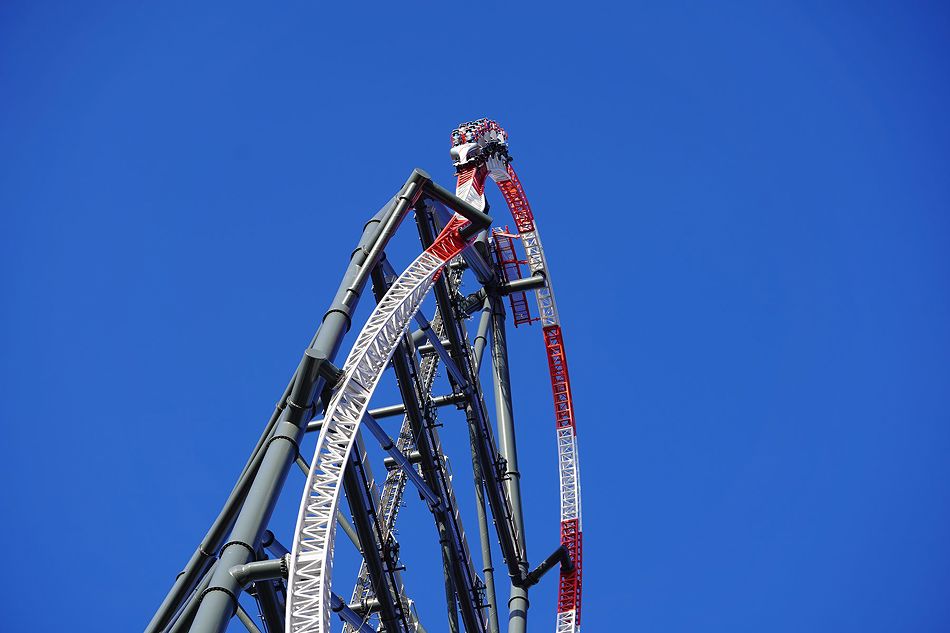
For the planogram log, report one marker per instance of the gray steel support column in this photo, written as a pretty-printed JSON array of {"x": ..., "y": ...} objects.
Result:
[
  {"x": 481, "y": 335},
  {"x": 485, "y": 542},
  {"x": 518, "y": 602},
  {"x": 478, "y": 345},
  {"x": 450, "y": 594},
  {"x": 220, "y": 600},
  {"x": 207, "y": 550},
  {"x": 187, "y": 615}
]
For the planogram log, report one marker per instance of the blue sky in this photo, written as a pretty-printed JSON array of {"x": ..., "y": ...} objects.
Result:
[{"x": 745, "y": 207}]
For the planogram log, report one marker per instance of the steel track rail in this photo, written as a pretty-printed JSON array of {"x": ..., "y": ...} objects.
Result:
[{"x": 480, "y": 149}]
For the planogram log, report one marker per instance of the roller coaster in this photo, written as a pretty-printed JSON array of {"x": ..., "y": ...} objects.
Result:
[{"x": 293, "y": 587}]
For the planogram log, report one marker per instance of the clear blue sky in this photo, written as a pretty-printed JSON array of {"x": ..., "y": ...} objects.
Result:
[{"x": 746, "y": 209}]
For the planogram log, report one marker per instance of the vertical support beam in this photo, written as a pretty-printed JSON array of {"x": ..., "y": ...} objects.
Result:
[
  {"x": 485, "y": 542},
  {"x": 518, "y": 602}
]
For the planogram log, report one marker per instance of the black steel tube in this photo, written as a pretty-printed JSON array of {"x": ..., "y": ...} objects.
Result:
[
  {"x": 459, "y": 572},
  {"x": 371, "y": 544},
  {"x": 518, "y": 600},
  {"x": 481, "y": 335},
  {"x": 270, "y": 542},
  {"x": 414, "y": 457},
  {"x": 393, "y": 410},
  {"x": 521, "y": 285},
  {"x": 560, "y": 555},
  {"x": 429, "y": 348},
  {"x": 488, "y": 568},
  {"x": 401, "y": 459},
  {"x": 477, "y": 416},
  {"x": 338, "y": 606},
  {"x": 271, "y": 609}
]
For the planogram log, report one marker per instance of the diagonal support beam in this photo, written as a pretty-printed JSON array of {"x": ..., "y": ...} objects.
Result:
[
  {"x": 443, "y": 353},
  {"x": 377, "y": 550},
  {"x": 509, "y": 537},
  {"x": 460, "y": 571},
  {"x": 389, "y": 446},
  {"x": 348, "y": 615}
]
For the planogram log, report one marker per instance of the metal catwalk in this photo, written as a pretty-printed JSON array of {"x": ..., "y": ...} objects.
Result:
[{"x": 294, "y": 587}]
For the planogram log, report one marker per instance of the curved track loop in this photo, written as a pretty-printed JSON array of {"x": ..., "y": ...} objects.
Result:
[
  {"x": 311, "y": 566},
  {"x": 480, "y": 149}
]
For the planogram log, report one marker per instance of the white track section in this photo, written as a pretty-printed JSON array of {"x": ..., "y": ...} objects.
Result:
[
  {"x": 394, "y": 486},
  {"x": 534, "y": 251},
  {"x": 537, "y": 263},
  {"x": 311, "y": 562},
  {"x": 565, "y": 623},
  {"x": 567, "y": 466}
]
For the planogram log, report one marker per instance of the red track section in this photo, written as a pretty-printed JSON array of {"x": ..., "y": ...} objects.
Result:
[
  {"x": 560, "y": 378},
  {"x": 510, "y": 267},
  {"x": 569, "y": 585},
  {"x": 513, "y": 192}
]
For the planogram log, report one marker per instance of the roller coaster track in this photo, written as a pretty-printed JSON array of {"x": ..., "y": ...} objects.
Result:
[
  {"x": 485, "y": 140},
  {"x": 480, "y": 149},
  {"x": 205, "y": 594}
]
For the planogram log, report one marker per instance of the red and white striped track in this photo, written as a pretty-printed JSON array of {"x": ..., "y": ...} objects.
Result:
[{"x": 470, "y": 144}]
